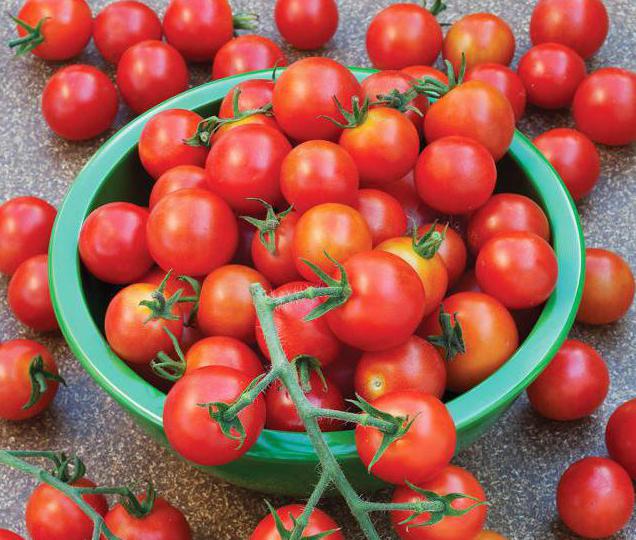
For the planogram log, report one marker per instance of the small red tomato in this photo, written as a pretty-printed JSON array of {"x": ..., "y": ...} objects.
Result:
[
  {"x": 425, "y": 72},
  {"x": 8, "y": 535},
  {"x": 29, "y": 297},
  {"x": 620, "y": 436},
  {"x": 223, "y": 351},
  {"x": 188, "y": 426},
  {"x": 504, "y": 213},
  {"x": 595, "y": 497},
  {"x": 506, "y": 81},
  {"x": 253, "y": 94},
  {"x": 25, "y": 230},
  {"x": 341, "y": 371},
  {"x": 604, "y": 106},
  {"x": 79, "y": 102},
  {"x": 156, "y": 276},
  {"x": 518, "y": 268},
  {"x": 608, "y": 290},
  {"x": 551, "y": 73},
  {"x": 318, "y": 523},
  {"x": 179, "y": 177},
  {"x": 121, "y": 25},
  {"x": 452, "y": 250},
  {"x": 482, "y": 38},
  {"x": 383, "y": 213},
  {"x": 247, "y": 53},
  {"x": 161, "y": 145},
  {"x": 455, "y": 175},
  {"x": 413, "y": 365},
  {"x": 150, "y": 72},
  {"x": 432, "y": 428},
  {"x": 573, "y": 385},
  {"x": 579, "y": 24},
  {"x": 404, "y": 191},
  {"x": 306, "y": 24},
  {"x": 452, "y": 479}
]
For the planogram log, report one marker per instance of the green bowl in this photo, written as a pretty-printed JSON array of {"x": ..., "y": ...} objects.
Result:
[{"x": 282, "y": 462}]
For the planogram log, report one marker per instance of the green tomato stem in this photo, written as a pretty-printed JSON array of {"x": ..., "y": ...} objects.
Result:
[{"x": 355, "y": 418}]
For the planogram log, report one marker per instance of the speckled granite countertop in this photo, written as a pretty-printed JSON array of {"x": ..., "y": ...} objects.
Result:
[{"x": 519, "y": 461}]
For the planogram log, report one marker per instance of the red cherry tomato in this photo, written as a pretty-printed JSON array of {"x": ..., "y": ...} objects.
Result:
[
  {"x": 403, "y": 35},
  {"x": 51, "y": 515},
  {"x": 573, "y": 385},
  {"x": 225, "y": 306},
  {"x": 8, "y": 535},
  {"x": 318, "y": 523},
  {"x": 452, "y": 479},
  {"x": 298, "y": 336},
  {"x": 121, "y": 25},
  {"x": 620, "y": 436},
  {"x": 424, "y": 72},
  {"x": 404, "y": 191},
  {"x": 482, "y": 38},
  {"x": 608, "y": 290},
  {"x": 506, "y": 81},
  {"x": 188, "y": 426},
  {"x": 306, "y": 24},
  {"x": 247, "y": 53},
  {"x": 192, "y": 232},
  {"x": 385, "y": 306},
  {"x": 341, "y": 371},
  {"x": 316, "y": 172},
  {"x": 253, "y": 94},
  {"x": 150, "y": 72},
  {"x": 579, "y": 24},
  {"x": 383, "y": 213},
  {"x": 66, "y": 28},
  {"x": 79, "y": 102},
  {"x": 489, "y": 332},
  {"x": 25, "y": 230},
  {"x": 505, "y": 213},
  {"x": 604, "y": 106},
  {"x": 305, "y": 92},
  {"x": 432, "y": 428},
  {"x": 156, "y": 276},
  {"x": 282, "y": 414},
  {"x": 179, "y": 177},
  {"x": 595, "y": 497},
  {"x": 452, "y": 250},
  {"x": 413, "y": 365},
  {"x": 223, "y": 351},
  {"x": 161, "y": 145}
]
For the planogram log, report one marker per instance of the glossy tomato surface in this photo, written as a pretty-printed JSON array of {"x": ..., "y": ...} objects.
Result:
[
  {"x": 383, "y": 213},
  {"x": 620, "y": 436},
  {"x": 247, "y": 53},
  {"x": 223, "y": 351},
  {"x": 505, "y": 80},
  {"x": 179, "y": 177},
  {"x": 306, "y": 24}
]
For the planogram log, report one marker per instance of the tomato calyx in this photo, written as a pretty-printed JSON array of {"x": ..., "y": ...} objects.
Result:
[
  {"x": 306, "y": 365},
  {"x": 400, "y": 101},
  {"x": 244, "y": 21},
  {"x": 353, "y": 119},
  {"x": 39, "y": 377},
  {"x": 437, "y": 7},
  {"x": 434, "y": 89},
  {"x": 161, "y": 307},
  {"x": 267, "y": 227},
  {"x": 297, "y": 527},
  {"x": 428, "y": 244},
  {"x": 31, "y": 40},
  {"x": 165, "y": 366},
  {"x": 451, "y": 339}
]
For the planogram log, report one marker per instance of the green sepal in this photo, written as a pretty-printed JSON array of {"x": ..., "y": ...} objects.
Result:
[
  {"x": 306, "y": 365},
  {"x": 286, "y": 534},
  {"x": 196, "y": 287},
  {"x": 165, "y": 366},
  {"x": 161, "y": 307},
  {"x": 451, "y": 340},
  {"x": 436, "y": 89},
  {"x": 31, "y": 40},
  {"x": 353, "y": 119},
  {"x": 428, "y": 244},
  {"x": 267, "y": 227},
  {"x": 400, "y": 101},
  {"x": 244, "y": 21},
  {"x": 335, "y": 301},
  {"x": 68, "y": 469},
  {"x": 39, "y": 378},
  {"x": 437, "y": 7},
  {"x": 137, "y": 508}
]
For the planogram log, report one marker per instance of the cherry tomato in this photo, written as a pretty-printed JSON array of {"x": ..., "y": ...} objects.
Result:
[
  {"x": 452, "y": 250},
  {"x": 164, "y": 522},
  {"x": 161, "y": 145},
  {"x": 432, "y": 428},
  {"x": 156, "y": 276},
  {"x": 452, "y": 479},
  {"x": 551, "y": 73},
  {"x": 475, "y": 110},
  {"x": 341, "y": 371},
  {"x": 282, "y": 414},
  {"x": 298, "y": 336},
  {"x": 316, "y": 172},
  {"x": 573, "y": 385},
  {"x": 246, "y": 162},
  {"x": 179, "y": 177},
  {"x": 604, "y": 106},
  {"x": 131, "y": 333},
  {"x": 455, "y": 175},
  {"x": 506, "y": 81},
  {"x": 482, "y": 38},
  {"x": 225, "y": 306},
  {"x": 386, "y": 302},
  {"x": 29, "y": 297},
  {"x": 305, "y": 92},
  {"x": 404, "y": 191},
  {"x": 192, "y": 232},
  {"x": 489, "y": 332},
  {"x": 423, "y": 72},
  {"x": 413, "y": 365},
  {"x": 490, "y": 535},
  {"x": 223, "y": 351},
  {"x": 579, "y": 24},
  {"x": 595, "y": 497},
  {"x": 403, "y": 35},
  {"x": 188, "y": 426},
  {"x": 505, "y": 213},
  {"x": 574, "y": 157},
  {"x": 8, "y": 535},
  {"x": 383, "y": 213},
  {"x": 51, "y": 515},
  {"x": 150, "y": 72},
  {"x": 608, "y": 290},
  {"x": 247, "y": 53},
  {"x": 121, "y": 25},
  {"x": 253, "y": 94},
  {"x": 620, "y": 436},
  {"x": 79, "y": 102},
  {"x": 25, "y": 230},
  {"x": 318, "y": 523},
  {"x": 66, "y": 28},
  {"x": 306, "y": 24}
]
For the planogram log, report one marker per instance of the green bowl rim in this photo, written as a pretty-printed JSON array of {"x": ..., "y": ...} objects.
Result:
[{"x": 140, "y": 398}]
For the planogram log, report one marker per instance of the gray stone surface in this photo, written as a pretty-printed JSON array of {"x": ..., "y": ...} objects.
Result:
[{"x": 519, "y": 461}]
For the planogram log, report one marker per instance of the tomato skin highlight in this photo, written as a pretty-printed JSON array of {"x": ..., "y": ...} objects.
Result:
[
  {"x": 506, "y": 81},
  {"x": 247, "y": 53},
  {"x": 620, "y": 436},
  {"x": 383, "y": 214},
  {"x": 319, "y": 522},
  {"x": 306, "y": 24}
]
